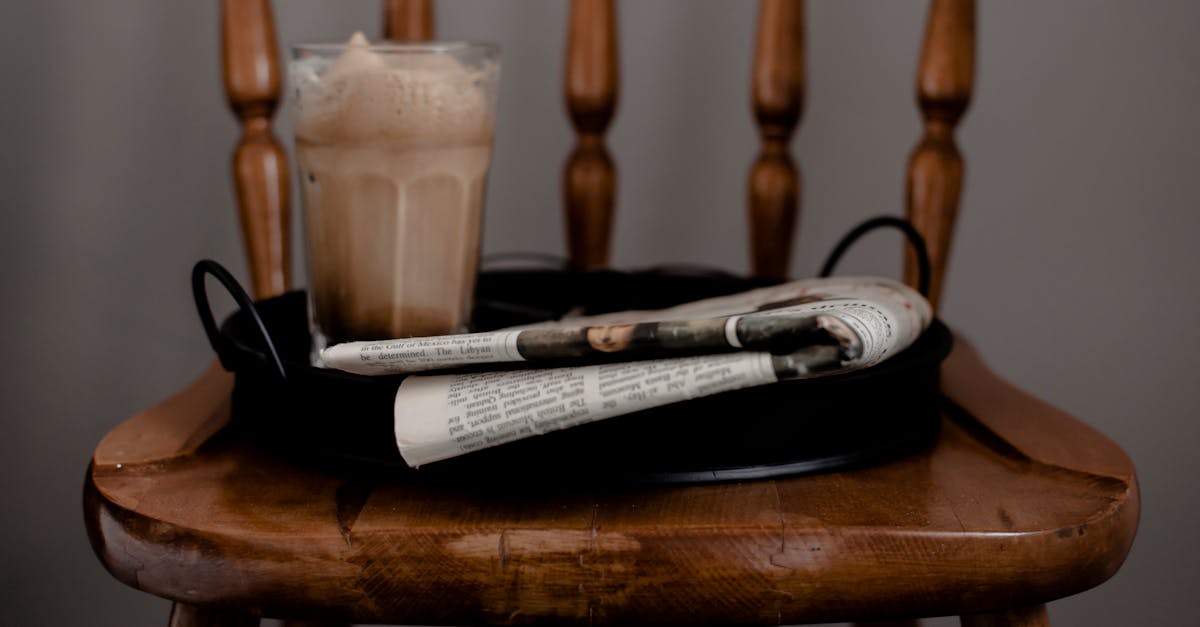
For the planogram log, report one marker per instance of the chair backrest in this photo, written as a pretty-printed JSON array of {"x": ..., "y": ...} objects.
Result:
[{"x": 935, "y": 168}]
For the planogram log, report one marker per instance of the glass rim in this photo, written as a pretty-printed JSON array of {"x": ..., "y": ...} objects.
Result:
[{"x": 402, "y": 47}]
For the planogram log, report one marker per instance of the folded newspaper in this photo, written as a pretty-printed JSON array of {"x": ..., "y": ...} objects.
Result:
[{"x": 631, "y": 361}]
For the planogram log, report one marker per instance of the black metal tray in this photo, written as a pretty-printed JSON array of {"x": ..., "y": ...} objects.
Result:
[{"x": 326, "y": 417}]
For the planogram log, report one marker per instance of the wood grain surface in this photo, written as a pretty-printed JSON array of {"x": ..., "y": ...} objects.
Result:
[
  {"x": 1017, "y": 504},
  {"x": 589, "y": 175},
  {"x": 260, "y": 165},
  {"x": 777, "y": 90}
]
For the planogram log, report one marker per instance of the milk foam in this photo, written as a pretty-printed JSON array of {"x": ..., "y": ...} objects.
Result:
[{"x": 392, "y": 93}]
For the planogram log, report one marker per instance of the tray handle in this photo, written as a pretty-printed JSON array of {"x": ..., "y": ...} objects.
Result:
[
  {"x": 910, "y": 233},
  {"x": 221, "y": 344}
]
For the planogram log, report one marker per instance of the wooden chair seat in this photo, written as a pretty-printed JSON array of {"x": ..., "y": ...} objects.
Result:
[{"x": 1015, "y": 505}]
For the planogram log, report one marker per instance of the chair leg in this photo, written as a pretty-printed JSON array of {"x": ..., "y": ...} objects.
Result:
[
  {"x": 184, "y": 615},
  {"x": 1032, "y": 616}
]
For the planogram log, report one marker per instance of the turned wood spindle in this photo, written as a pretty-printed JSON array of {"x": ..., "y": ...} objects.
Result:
[
  {"x": 589, "y": 177},
  {"x": 408, "y": 20},
  {"x": 778, "y": 97},
  {"x": 260, "y": 167},
  {"x": 935, "y": 168}
]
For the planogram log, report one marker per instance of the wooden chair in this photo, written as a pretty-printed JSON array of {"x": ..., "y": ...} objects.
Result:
[{"x": 1017, "y": 504}]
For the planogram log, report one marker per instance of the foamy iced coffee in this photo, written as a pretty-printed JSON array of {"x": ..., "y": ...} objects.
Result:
[{"x": 393, "y": 144}]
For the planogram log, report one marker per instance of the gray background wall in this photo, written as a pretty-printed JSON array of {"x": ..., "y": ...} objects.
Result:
[{"x": 1075, "y": 269}]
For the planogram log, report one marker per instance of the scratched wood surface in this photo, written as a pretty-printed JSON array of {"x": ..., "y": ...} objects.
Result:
[{"x": 1016, "y": 505}]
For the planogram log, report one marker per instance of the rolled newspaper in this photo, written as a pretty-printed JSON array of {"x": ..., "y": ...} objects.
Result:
[{"x": 795, "y": 330}]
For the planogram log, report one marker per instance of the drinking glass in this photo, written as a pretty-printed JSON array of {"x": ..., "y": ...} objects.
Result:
[{"x": 393, "y": 144}]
